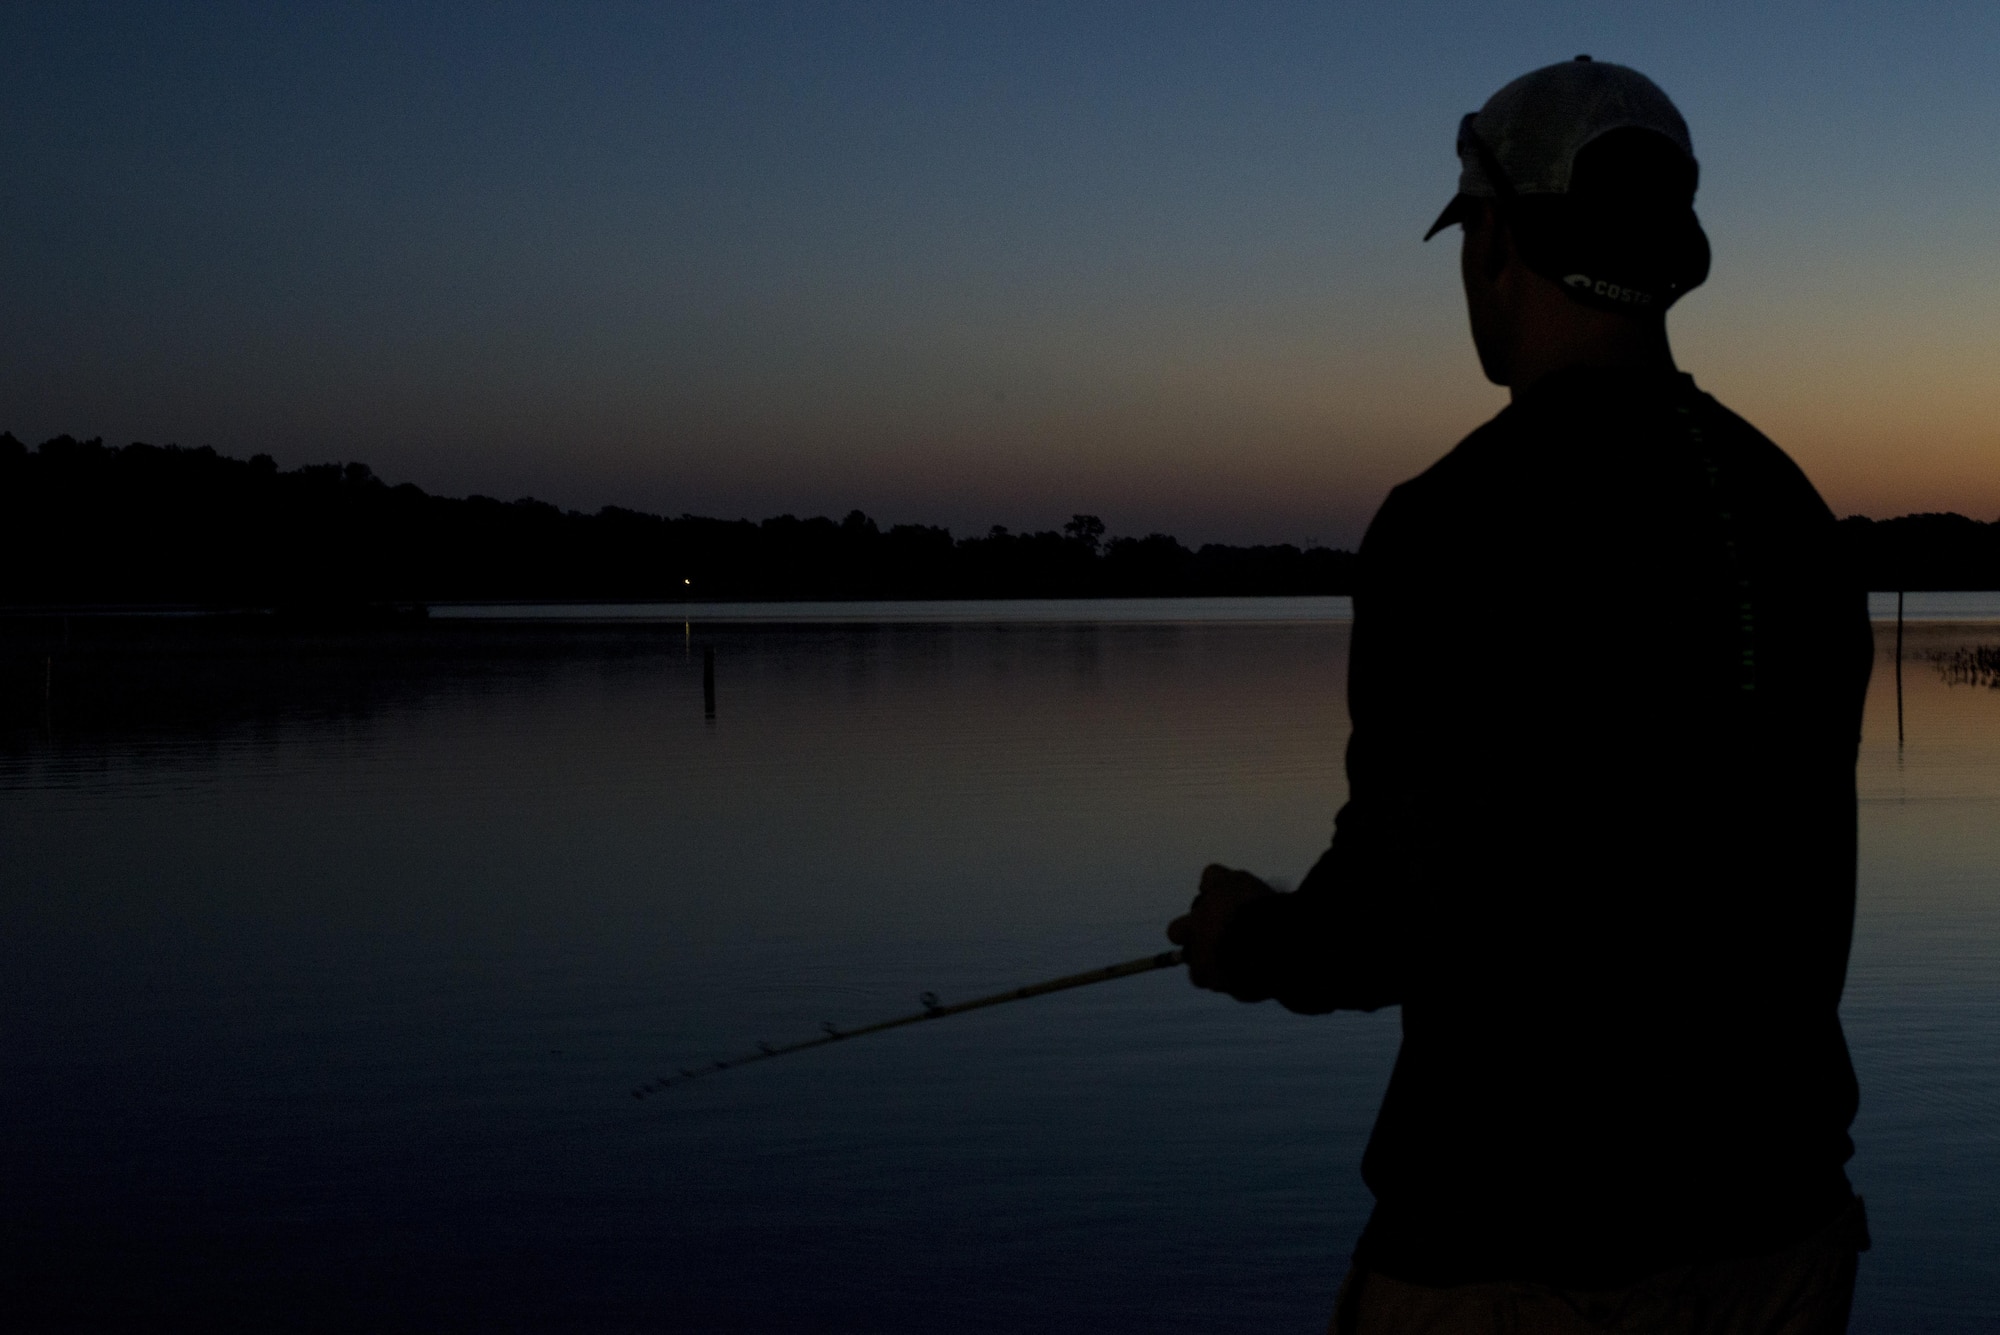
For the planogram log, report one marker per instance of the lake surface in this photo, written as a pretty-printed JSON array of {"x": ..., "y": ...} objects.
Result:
[{"x": 326, "y": 970}]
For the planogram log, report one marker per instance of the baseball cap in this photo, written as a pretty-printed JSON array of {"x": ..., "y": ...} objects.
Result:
[{"x": 1591, "y": 165}]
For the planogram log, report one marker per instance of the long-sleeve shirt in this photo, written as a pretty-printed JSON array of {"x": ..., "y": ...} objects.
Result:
[{"x": 1605, "y": 684}]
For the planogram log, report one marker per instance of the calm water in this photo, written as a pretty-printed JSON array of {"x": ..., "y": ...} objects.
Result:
[{"x": 324, "y": 976}]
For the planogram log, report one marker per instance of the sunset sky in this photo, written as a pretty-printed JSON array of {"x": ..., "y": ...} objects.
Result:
[{"x": 961, "y": 264}]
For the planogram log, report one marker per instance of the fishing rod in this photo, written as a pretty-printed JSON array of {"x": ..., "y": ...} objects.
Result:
[{"x": 932, "y": 1010}]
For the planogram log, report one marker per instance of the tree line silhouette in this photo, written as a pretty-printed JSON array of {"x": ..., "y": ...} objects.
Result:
[
  {"x": 86, "y": 523},
  {"x": 1927, "y": 551}
]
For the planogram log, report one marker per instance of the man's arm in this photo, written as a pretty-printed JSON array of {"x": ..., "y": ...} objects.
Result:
[{"x": 1342, "y": 940}]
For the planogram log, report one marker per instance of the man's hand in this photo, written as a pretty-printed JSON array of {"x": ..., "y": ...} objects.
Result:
[{"x": 1223, "y": 891}]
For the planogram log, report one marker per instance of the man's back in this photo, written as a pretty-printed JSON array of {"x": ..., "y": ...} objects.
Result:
[
  {"x": 1606, "y": 689},
  {"x": 1599, "y": 842}
]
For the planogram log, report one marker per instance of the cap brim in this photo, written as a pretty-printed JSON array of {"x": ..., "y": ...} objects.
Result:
[{"x": 1454, "y": 212}]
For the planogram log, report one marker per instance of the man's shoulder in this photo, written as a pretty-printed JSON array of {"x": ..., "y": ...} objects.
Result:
[
  {"x": 1482, "y": 450},
  {"x": 1453, "y": 490},
  {"x": 1560, "y": 434},
  {"x": 1607, "y": 446},
  {"x": 1760, "y": 457}
]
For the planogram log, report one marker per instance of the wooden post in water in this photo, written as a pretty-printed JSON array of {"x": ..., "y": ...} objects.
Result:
[
  {"x": 1899, "y": 669},
  {"x": 708, "y": 684}
]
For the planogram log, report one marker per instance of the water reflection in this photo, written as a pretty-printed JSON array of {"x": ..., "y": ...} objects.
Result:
[{"x": 325, "y": 976}]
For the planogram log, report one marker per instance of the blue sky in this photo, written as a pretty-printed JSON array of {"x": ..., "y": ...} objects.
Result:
[{"x": 953, "y": 263}]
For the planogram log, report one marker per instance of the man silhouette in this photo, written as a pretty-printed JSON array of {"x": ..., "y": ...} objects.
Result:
[{"x": 1606, "y": 686}]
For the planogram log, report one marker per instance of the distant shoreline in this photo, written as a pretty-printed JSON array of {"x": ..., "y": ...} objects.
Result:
[
  {"x": 88, "y": 526},
  {"x": 1941, "y": 606}
]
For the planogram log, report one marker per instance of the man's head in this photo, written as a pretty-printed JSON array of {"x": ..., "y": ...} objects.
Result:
[{"x": 1576, "y": 193}]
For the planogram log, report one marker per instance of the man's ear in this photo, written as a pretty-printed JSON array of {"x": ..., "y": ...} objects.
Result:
[
  {"x": 1489, "y": 245},
  {"x": 1499, "y": 244}
]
